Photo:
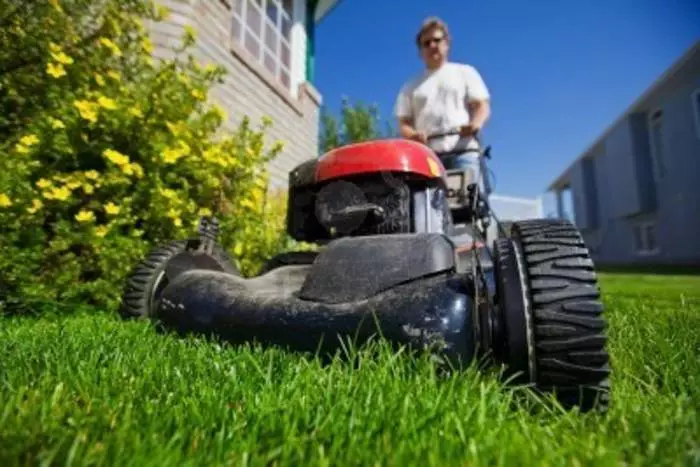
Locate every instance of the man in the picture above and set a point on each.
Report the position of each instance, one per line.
(446, 97)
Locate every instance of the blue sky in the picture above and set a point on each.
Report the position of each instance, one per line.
(559, 71)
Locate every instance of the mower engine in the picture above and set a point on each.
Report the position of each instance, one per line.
(366, 189)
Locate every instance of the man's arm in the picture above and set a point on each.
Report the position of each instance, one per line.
(403, 112)
(478, 99)
(479, 111)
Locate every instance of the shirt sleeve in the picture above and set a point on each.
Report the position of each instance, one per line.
(402, 106)
(476, 88)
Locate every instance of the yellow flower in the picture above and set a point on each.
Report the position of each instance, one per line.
(173, 213)
(168, 193)
(54, 48)
(116, 157)
(85, 216)
(56, 123)
(43, 183)
(92, 174)
(147, 45)
(73, 185)
(111, 46)
(107, 103)
(62, 58)
(36, 205)
(5, 201)
(162, 12)
(172, 155)
(87, 110)
(136, 112)
(21, 148)
(99, 79)
(177, 221)
(238, 249)
(55, 70)
(101, 231)
(220, 112)
(111, 209)
(190, 33)
(114, 75)
(137, 170)
(29, 140)
(204, 212)
(60, 194)
(88, 189)
(197, 94)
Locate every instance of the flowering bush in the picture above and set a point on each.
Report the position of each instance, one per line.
(106, 152)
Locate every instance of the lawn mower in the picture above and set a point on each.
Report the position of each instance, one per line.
(403, 254)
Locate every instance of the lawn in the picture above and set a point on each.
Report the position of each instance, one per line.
(85, 388)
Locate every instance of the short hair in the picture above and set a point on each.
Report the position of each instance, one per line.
(433, 22)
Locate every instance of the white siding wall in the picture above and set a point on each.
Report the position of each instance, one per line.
(248, 89)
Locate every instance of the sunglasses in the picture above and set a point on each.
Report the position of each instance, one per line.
(428, 42)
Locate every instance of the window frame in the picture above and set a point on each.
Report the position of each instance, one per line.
(642, 229)
(243, 34)
(658, 166)
(695, 104)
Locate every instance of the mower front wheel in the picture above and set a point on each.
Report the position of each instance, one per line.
(148, 279)
(551, 313)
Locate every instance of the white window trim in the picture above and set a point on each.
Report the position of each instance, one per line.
(262, 45)
(695, 102)
(645, 251)
(655, 158)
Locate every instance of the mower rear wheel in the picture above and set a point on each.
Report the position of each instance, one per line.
(148, 279)
(552, 315)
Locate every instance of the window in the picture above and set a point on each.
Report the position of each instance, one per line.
(263, 28)
(696, 110)
(645, 238)
(657, 146)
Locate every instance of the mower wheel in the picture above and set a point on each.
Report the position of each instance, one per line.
(147, 280)
(552, 314)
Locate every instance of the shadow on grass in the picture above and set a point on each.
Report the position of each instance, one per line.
(650, 269)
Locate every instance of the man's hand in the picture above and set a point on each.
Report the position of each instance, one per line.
(419, 136)
(469, 130)
(408, 132)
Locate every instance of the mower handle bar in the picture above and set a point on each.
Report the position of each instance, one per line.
(456, 132)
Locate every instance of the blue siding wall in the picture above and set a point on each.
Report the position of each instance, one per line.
(678, 192)
(614, 188)
(578, 196)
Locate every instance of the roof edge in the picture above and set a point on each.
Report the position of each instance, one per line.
(320, 14)
(674, 68)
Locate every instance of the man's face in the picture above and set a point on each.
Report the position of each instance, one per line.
(434, 46)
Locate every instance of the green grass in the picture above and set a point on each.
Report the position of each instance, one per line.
(85, 389)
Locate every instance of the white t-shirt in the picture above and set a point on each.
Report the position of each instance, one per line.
(436, 101)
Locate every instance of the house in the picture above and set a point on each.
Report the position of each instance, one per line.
(267, 48)
(636, 190)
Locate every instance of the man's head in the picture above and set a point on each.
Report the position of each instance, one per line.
(433, 41)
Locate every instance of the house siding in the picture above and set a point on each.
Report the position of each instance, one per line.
(245, 92)
(617, 186)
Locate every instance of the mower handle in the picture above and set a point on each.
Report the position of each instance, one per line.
(456, 132)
